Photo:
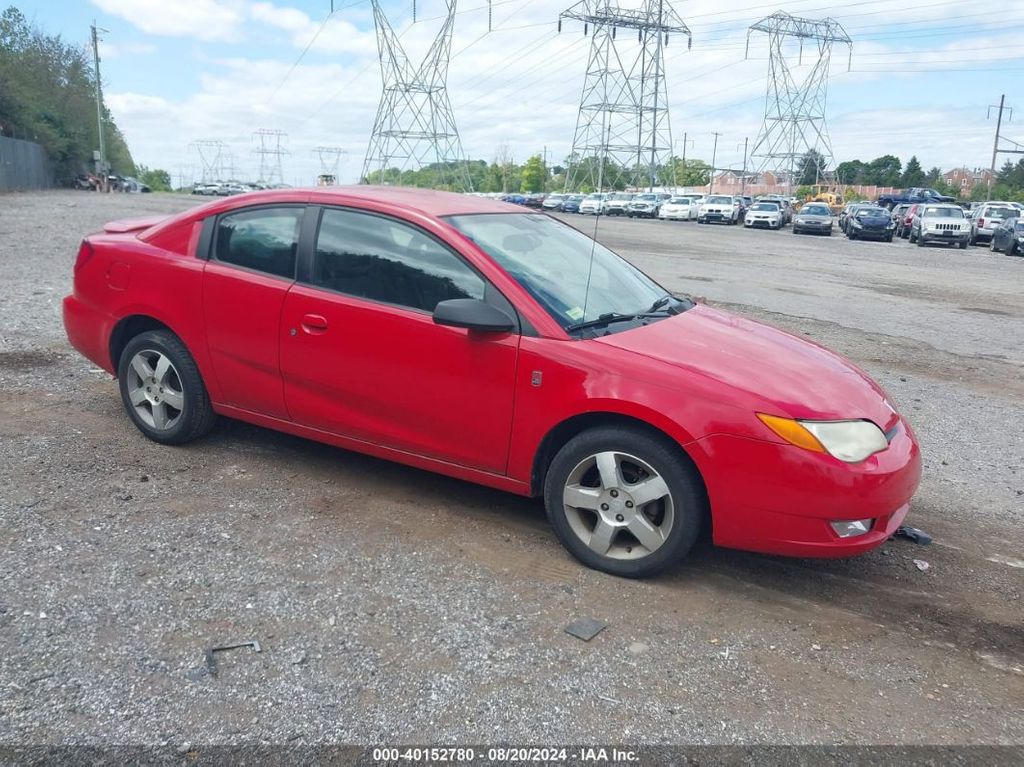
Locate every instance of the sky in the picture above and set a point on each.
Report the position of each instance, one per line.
(920, 80)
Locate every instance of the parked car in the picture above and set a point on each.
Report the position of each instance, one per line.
(1008, 237)
(941, 223)
(554, 201)
(897, 215)
(870, 222)
(785, 203)
(571, 204)
(617, 203)
(645, 205)
(813, 217)
(446, 332)
(987, 218)
(767, 213)
(593, 204)
(679, 208)
(911, 196)
(906, 219)
(515, 198)
(850, 209)
(717, 207)
(534, 200)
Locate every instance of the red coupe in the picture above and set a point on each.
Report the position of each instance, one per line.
(475, 339)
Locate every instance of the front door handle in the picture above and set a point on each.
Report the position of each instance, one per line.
(314, 323)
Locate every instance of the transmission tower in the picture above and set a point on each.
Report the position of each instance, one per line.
(212, 154)
(623, 123)
(270, 152)
(794, 114)
(415, 124)
(330, 158)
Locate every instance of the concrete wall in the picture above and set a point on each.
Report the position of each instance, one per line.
(23, 165)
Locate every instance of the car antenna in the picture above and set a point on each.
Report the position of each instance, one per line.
(597, 217)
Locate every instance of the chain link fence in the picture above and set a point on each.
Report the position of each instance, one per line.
(23, 165)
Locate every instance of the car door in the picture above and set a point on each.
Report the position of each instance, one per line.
(250, 268)
(362, 357)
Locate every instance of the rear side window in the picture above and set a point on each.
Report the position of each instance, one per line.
(264, 239)
(385, 260)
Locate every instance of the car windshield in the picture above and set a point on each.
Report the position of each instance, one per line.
(718, 200)
(1000, 213)
(647, 197)
(872, 212)
(816, 210)
(621, 196)
(679, 200)
(552, 261)
(765, 206)
(943, 213)
(595, 196)
(552, 197)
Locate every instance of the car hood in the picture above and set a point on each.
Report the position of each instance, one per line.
(782, 373)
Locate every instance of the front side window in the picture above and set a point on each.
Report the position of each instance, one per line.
(264, 239)
(573, 277)
(381, 259)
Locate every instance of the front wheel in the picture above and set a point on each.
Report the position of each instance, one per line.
(919, 240)
(624, 501)
(162, 390)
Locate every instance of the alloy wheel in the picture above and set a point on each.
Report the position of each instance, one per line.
(618, 505)
(155, 389)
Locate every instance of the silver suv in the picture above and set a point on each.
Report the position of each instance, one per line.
(985, 219)
(940, 223)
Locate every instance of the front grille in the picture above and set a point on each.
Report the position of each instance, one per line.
(947, 227)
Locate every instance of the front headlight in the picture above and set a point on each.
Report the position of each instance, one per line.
(849, 441)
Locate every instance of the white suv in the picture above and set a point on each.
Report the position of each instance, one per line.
(987, 218)
(593, 204)
(940, 223)
(717, 207)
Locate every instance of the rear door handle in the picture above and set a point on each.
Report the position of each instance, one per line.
(314, 323)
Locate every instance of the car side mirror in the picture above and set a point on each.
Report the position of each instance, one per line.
(473, 314)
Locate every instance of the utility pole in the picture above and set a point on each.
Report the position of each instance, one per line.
(995, 144)
(102, 162)
(743, 179)
(714, 153)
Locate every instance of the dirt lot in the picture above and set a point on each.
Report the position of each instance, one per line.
(395, 605)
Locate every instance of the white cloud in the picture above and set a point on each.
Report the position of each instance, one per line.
(209, 20)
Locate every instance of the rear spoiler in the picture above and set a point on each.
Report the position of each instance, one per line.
(126, 225)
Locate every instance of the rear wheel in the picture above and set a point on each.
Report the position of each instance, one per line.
(623, 501)
(162, 390)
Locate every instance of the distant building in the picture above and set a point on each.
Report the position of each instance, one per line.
(966, 179)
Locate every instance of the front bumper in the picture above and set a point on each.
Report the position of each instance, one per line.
(949, 237)
(779, 499)
(727, 217)
(871, 234)
(771, 223)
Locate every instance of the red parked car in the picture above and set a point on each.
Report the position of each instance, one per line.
(475, 339)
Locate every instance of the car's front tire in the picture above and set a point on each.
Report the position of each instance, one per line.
(162, 390)
(624, 501)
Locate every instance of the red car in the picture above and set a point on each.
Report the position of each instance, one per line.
(475, 339)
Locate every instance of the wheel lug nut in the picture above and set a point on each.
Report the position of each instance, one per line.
(604, 507)
(619, 518)
(614, 493)
(629, 504)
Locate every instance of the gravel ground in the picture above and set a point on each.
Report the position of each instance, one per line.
(393, 605)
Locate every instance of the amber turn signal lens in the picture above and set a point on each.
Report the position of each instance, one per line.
(792, 431)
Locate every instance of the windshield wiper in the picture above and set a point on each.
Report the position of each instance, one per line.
(657, 309)
(603, 319)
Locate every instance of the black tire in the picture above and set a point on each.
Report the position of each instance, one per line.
(851, 234)
(910, 237)
(889, 238)
(685, 490)
(919, 240)
(196, 415)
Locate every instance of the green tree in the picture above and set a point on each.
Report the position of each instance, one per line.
(156, 179)
(979, 193)
(850, 172)
(811, 167)
(913, 175)
(47, 89)
(933, 177)
(534, 174)
(883, 171)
